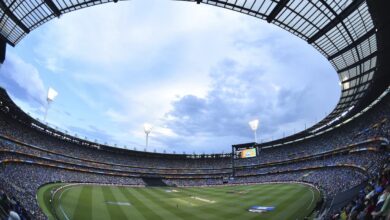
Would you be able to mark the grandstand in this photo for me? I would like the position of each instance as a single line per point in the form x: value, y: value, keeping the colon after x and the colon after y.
x: 345, y: 156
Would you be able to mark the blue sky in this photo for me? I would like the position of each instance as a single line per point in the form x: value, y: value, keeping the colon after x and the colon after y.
x: 197, y: 73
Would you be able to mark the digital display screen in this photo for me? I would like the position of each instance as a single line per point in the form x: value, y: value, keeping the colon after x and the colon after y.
x: 247, y: 153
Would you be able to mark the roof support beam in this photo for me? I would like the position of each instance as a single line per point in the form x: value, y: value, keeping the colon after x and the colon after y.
x: 278, y: 8
x: 2, y: 38
x: 356, y: 86
x: 359, y: 62
x: 3, y: 48
x: 347, y: 96
x: 360, y: 75
x: 11, y: 15
x: 354, y: 44
x: 339, y: 18
x: 233, y: 6
x: 53, y: 7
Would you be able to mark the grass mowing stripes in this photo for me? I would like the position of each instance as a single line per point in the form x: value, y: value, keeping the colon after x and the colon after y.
x: 232, y: 204
x: 303, y: 202
x: 84, y: 204
x: 145, y: 202
x: 66, y: 197
x: 115, y: 211
x: 45, y: 197
x: 99, y: 209
x: 160, y: 204
x: 211, y: 211
x: 139, y: 206
x: 126, y: 204
x: 173, y: 203
x: 291, y: 201
x: 167, y: 209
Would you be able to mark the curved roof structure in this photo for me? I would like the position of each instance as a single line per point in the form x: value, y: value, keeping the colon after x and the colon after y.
x: 349, y: 33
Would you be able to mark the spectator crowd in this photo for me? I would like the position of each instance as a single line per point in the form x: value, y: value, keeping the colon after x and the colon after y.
x: 349, y: 156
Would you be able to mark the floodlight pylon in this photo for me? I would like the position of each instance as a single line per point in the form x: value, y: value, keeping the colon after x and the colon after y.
x: 254, y: 125
x: 147, y: 129
x: 51, y: 95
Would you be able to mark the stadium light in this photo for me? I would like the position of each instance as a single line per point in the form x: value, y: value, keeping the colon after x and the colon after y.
x: 254, y: 126
x: 51, y: 95
x: 147, y: 128
x: 345, y: 83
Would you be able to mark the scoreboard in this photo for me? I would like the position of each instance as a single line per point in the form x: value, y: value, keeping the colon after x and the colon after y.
x: 247, y: 153
x: 243, y: 151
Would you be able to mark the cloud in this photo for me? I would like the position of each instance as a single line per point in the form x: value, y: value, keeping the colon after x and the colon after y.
x: 116, y: 116
x: 240, y: 93
x: 127, y: 34
x: 198, y: 73
x: 23, y: 79
x: 92, y: 133
x: 230, y: 104
x: 53, y: 65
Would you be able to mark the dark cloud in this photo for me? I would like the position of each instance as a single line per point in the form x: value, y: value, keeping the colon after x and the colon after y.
x: 287, y: 88
x: 237, y: 96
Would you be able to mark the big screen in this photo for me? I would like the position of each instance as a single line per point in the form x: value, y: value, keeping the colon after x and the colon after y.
x: 247, y: 153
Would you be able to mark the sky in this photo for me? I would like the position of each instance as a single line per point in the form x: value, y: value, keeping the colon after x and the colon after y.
x: 197, y: 73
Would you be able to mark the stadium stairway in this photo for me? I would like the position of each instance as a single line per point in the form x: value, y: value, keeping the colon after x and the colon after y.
x: 153, y: 182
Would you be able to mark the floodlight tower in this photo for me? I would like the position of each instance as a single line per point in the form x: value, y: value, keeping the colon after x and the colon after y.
x: 51, y: 95
x: 147, y: 128
x: 254, y: 125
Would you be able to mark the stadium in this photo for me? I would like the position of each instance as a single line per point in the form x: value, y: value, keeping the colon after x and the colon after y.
x: 336, y: 169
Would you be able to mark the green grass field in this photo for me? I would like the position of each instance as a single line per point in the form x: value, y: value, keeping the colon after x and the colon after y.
x: 83, y: 202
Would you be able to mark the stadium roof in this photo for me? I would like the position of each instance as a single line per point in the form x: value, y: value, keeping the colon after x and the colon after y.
x: 349, y: 33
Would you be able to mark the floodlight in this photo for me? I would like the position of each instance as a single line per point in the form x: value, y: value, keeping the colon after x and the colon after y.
x: 147, y: 128
x: 345, y: 83
x: 51, y: 95
x: 254, y: 126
